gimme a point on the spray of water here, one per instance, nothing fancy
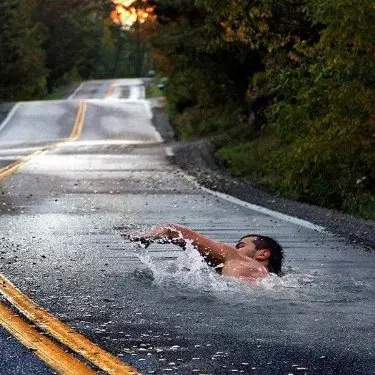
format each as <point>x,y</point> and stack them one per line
<point>188,271</point>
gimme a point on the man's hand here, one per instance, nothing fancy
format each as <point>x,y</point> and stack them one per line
<point>159,234</point>
<point>136,237</point>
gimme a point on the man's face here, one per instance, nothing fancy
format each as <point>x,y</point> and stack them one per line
<point>246,247</point>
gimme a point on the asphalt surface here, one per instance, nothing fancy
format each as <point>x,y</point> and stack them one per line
<point>163,310</point>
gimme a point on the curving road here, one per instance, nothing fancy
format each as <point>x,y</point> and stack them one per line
<point>102,168</point>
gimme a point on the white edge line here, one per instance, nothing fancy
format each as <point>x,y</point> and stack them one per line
<point>105,142</point>
<point>150,113</point>
<point>266,211</point>
<point>75,91</point>
<point>254,207</point>
<point>142,93</point>
<point>158,137</point>
<point>9,116</point>
<point>148,106</point>
<point>169,151</point>
<point>229,198</point>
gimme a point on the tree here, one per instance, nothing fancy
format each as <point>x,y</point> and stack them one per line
<point>208,77</point>
<point>325,110</point>
<point>22,72</point>
<point>320,125</point>
<point>73,37</point>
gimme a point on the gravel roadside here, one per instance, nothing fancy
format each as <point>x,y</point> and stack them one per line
<point>197,159</point>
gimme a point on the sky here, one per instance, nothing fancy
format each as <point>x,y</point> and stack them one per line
<point>127,15</point>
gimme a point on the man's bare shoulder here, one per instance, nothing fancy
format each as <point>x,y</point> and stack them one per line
<point>244,268</point>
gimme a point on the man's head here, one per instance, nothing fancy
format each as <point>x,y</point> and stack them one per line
<point>263,249</point>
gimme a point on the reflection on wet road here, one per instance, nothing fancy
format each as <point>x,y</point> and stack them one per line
<point>162,310</point>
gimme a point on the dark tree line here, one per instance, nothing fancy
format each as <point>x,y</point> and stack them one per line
<point>22,70</point>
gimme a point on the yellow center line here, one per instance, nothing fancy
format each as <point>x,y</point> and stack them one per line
<point>62,332</point>
<point>109,91</point>
<point>9,169</point>
<point>43,347</point>
<point>78,124</point>
<point>43,319</point>
<point>74,135</point>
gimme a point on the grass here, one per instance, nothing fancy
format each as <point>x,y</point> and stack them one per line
<point>152,91</point>
<point>270,170</point>
<point>61,92</point>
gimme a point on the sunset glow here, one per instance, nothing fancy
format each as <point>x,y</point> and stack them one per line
<point>126,15</point>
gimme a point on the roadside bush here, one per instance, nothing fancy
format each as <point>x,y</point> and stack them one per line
<point>200,121</point>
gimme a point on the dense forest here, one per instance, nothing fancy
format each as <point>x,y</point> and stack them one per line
<point>48,43</point>
<point>285,89</point>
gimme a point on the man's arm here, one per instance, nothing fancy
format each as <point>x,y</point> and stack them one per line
<point>181,236</point>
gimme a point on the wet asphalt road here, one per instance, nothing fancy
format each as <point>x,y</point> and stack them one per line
<point>163,311</point>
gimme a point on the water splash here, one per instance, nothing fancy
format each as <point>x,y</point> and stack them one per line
<point>189,272</point>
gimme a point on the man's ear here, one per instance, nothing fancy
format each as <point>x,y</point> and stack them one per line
<point>263,254</point>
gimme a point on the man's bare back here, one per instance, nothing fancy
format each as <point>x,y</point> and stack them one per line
<point>253,257</point>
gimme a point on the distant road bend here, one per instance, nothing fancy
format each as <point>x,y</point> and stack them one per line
<point>77,299</point>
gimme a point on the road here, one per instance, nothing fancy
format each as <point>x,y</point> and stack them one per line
<point>75,173</point>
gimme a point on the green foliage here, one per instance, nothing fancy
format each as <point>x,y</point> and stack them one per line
<point>152,91</point>
<point>208,77</point>
<point>304,69</point>
<point>22,72</point>
<point>62,92</point>
<point>73,39</point>
<point>324,110</point>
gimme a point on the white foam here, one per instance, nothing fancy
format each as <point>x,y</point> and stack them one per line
<point>189,271</point>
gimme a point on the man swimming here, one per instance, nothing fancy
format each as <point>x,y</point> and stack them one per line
<point>253,257</point>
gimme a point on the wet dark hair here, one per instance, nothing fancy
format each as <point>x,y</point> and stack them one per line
<point>277,254</point>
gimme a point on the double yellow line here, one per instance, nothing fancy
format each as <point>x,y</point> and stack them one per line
<point>53,351</point>
<point>43,347</point>
<point>79,121</point>
<point>9,169</point>
<point>74,136</point>
<point>46,349</point>
<point>109,90</point>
